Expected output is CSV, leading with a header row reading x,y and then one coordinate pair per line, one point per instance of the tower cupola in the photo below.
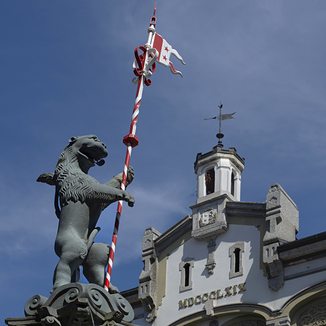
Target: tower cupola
x,y
219,173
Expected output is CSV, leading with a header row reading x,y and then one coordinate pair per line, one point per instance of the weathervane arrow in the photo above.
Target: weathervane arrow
x,y
155,50
222,117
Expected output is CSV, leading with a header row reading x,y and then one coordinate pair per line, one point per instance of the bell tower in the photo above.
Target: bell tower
x,y
219,173
218,181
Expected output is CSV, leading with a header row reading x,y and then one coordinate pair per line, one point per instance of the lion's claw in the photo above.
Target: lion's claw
x,y
129,198
131,202
130,174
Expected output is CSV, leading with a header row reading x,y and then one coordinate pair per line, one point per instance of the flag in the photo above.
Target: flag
x,y
165,50
227,116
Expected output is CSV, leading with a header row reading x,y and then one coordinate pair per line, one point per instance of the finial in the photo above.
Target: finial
x,y
221,117
219,136
153,19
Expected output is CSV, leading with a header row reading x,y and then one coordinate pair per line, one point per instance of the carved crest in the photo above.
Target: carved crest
x,y
207,217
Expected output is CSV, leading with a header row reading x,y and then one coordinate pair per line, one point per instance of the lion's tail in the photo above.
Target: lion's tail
x,y
92,236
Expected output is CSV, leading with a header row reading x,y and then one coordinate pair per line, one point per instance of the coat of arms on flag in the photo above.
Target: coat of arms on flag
x,y
165,50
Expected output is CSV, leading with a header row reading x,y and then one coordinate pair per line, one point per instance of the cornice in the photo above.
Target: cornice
x,y
173,233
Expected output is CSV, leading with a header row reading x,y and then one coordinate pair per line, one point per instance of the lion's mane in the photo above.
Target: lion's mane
x,y
71,184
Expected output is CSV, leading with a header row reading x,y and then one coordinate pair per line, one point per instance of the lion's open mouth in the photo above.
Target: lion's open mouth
x,y
100,162
93,156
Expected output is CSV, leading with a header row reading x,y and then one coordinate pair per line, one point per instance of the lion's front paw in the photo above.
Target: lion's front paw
x,y
129,199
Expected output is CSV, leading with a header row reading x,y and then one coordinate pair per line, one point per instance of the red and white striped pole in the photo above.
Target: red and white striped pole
x,y
146,66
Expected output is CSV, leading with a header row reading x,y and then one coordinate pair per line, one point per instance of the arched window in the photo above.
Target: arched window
x,y
250,320
187,271
232,183
210,181
311,313
235,253
185,268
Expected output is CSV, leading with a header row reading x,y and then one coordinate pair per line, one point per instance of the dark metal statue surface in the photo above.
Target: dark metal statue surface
x,y
82,199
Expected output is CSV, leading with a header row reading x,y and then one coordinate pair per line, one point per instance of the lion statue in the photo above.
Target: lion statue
x,y
79,201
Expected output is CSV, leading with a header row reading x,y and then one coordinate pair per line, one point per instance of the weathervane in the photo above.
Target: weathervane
x,y
155,50
221,117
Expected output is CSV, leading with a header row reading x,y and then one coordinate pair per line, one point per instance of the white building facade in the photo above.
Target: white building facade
x,y
231,263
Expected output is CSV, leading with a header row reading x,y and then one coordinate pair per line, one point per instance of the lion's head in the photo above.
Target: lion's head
x,y
89,149
83,150
82,153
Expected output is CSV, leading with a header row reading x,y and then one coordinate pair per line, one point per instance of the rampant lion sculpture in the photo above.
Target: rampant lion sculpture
x,y
82,199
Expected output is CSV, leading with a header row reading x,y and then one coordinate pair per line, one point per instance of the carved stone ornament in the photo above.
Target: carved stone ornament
x,y
315,316
148,278
207,217
274,266
76,304
211,263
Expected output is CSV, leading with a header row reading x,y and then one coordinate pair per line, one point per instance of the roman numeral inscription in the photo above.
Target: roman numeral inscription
x,y
213,295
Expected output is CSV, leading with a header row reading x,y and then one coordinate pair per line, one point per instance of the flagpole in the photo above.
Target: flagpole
x,y
144,70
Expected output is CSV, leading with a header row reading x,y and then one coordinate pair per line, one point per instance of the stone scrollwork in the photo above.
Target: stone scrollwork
x,y
72,295
99,299
122,307
33,304
76,304
95,297
50,320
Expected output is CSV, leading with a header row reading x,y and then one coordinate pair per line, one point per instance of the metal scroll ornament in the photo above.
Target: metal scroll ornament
x,y
315,316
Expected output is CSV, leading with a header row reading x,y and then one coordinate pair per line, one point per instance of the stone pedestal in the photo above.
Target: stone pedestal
x,y
76,304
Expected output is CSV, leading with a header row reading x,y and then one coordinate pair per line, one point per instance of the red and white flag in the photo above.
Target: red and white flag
x,y
165,50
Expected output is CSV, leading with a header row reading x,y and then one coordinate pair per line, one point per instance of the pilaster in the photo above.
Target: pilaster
x,y
283,218
147,289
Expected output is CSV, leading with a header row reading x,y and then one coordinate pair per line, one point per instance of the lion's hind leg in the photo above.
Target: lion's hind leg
x,y
95,264
73,253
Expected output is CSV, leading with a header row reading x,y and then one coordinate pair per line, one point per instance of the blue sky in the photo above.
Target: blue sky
x,y
66,70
